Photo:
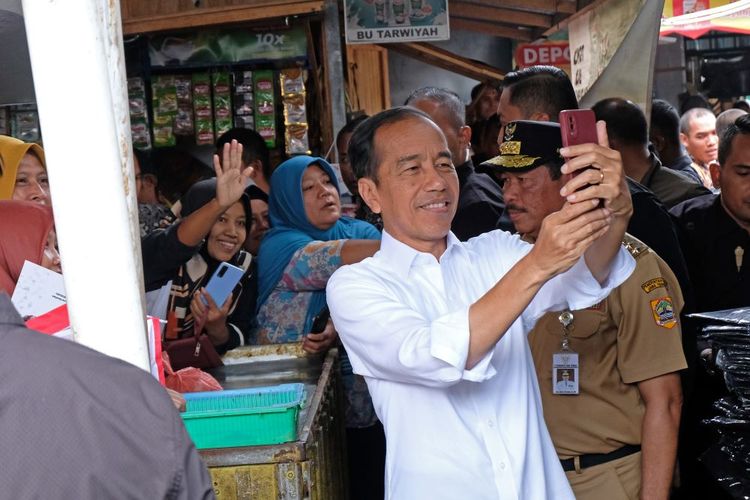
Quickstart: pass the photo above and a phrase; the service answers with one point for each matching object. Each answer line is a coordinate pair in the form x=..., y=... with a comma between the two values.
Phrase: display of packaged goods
x=222, y=103
x=164, y=94
x=164, y=106
x=294, y=109
x=296, y=139
x=202, y=108
x=183, y=123
x=140, y=133
x=292, y=81
x=244, y=104
x=244, y=121
x=139, y=126
x=24, y=124
x=265, y=106
x=137, y=97
x=243, y=82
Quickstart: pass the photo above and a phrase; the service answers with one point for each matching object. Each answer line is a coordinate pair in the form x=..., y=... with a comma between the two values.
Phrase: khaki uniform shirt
x=631, y=336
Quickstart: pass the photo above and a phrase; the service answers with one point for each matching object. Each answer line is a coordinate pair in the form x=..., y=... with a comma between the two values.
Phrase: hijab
x=196, y=272
x=24, y=227
x=12, y=152
x=291, y=230
x=255, y=193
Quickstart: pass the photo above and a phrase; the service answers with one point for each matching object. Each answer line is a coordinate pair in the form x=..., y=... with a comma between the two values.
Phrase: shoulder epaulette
x=633, y=245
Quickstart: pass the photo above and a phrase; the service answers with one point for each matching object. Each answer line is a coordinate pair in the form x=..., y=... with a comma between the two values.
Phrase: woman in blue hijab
x=307, y=242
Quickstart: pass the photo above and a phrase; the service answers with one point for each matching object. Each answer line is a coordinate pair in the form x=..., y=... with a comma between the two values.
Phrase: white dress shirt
x=451, y=432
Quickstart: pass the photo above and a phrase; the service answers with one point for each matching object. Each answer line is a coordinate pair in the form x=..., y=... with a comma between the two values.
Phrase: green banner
x=227, y=46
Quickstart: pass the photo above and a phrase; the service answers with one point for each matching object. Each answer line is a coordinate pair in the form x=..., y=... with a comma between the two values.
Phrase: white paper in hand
x=38, y=290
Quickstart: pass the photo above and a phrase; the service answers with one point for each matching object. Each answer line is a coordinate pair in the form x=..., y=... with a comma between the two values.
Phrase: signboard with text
x=552, y=54
x=390, y=21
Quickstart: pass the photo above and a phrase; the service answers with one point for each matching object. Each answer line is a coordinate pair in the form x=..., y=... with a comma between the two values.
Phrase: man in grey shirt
x=78, y=424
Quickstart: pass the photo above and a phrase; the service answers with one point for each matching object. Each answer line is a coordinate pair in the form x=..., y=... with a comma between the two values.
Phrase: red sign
x=553, y=54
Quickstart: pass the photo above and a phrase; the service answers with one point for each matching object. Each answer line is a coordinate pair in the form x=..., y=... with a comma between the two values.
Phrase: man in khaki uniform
x=616, y=430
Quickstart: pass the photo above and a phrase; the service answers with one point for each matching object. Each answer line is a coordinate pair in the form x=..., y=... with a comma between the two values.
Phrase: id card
x=565, y=373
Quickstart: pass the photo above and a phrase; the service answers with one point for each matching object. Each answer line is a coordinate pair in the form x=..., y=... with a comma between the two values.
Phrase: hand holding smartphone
x=223, y=281
x=320, y=321
x=578, y=126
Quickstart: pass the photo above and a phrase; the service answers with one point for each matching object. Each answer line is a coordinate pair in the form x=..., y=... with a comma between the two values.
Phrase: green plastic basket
x=243, y=417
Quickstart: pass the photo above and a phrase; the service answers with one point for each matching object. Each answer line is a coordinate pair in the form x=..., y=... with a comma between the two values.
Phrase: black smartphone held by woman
x=320, y=321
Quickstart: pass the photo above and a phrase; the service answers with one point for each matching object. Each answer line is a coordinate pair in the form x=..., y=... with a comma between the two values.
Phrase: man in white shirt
x=438, y=327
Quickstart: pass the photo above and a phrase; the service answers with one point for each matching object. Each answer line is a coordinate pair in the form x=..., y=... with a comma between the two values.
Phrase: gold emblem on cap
x=510, y=148
x=519, y=161
x=510, y=129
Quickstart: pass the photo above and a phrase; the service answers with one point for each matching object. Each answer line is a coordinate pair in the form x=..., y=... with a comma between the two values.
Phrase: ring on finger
x=601, y=176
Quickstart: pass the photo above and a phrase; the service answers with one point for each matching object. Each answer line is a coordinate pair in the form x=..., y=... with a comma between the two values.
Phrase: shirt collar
x=400, y=256
x=723, y=222
x=649, y=175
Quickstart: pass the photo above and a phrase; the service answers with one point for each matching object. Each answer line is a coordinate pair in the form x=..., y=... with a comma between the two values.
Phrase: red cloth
x=24, y=227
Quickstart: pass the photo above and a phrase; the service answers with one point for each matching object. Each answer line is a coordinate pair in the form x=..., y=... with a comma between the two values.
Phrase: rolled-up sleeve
x=388, y=340
x=577, y=288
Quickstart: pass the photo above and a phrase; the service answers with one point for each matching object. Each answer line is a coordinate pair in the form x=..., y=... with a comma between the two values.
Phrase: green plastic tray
x=243, y=417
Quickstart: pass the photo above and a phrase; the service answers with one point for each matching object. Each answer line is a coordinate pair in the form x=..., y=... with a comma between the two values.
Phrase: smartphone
x=578, y=126
x=223, y=281
x=320, y=321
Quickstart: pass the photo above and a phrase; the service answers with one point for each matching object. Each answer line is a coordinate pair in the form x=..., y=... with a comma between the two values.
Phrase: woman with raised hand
x=212, y=230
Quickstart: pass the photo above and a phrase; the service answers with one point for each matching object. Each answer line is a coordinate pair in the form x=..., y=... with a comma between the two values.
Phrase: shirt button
x=502, y=465
x=490, y=423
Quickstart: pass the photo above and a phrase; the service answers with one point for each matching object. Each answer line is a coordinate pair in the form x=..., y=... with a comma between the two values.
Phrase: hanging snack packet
x=183, y=124
x=265, y=106
x=222, y=103
x=296, y=139
x=204, y=122
x=292, y=81
x=164, y=105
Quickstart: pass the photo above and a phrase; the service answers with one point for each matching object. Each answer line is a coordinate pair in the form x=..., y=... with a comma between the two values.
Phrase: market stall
x=311, y=467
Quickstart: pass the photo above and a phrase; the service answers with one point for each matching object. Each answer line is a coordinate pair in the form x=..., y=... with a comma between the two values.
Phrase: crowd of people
x=511, y=314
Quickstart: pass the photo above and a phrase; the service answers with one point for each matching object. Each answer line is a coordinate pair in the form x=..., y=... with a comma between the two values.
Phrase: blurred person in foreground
x=438, y=327
x=79, y=424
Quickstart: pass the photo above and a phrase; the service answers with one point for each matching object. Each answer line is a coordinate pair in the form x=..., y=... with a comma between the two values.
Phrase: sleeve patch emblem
x=653, y=284
x=663, y=311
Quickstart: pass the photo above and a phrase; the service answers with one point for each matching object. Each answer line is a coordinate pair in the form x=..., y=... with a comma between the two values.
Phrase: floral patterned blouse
x=282, y=316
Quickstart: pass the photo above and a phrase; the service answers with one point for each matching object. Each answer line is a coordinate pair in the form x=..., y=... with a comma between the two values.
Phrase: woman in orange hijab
x=23, y=174
x=26, y=233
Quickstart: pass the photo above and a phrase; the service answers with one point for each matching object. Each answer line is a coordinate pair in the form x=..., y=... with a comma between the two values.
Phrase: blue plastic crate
x=243, y=417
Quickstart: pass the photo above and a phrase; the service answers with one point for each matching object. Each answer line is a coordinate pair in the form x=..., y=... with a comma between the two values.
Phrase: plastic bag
x=188, y=379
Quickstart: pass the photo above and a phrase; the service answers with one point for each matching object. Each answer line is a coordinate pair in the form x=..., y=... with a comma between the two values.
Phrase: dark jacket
x=480, y=204
x=710, y=238
x=671, y=186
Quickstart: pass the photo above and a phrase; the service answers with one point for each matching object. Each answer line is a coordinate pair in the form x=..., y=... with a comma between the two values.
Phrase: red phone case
x=578, y=126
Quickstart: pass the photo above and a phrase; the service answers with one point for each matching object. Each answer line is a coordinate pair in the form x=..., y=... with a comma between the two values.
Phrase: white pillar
x=79, y=76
